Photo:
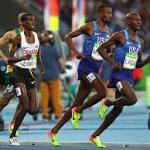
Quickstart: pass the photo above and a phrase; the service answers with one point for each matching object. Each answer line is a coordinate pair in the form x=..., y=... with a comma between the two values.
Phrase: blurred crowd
x=120, y=8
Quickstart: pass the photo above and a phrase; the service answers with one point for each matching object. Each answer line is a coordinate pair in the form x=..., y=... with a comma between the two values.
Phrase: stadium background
x=10, y=9
x=133, y=120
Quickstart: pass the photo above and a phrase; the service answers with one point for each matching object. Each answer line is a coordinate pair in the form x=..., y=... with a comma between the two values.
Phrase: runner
x=96, y=33
x=9, y=93
x=128, y=56
x=26, y=42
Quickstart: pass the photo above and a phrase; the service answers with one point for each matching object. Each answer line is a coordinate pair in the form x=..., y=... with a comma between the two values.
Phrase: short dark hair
x=24, y=16
x=103, y=5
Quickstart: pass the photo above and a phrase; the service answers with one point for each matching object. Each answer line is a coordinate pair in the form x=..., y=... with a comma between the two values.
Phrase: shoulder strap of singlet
x=23, y=39
x=36, y=37
x=94, y=26
x=138, y=39
x=126, y=34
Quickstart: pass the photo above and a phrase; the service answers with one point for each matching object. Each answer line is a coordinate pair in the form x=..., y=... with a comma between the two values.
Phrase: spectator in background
x=137, y=75
x=51, y=84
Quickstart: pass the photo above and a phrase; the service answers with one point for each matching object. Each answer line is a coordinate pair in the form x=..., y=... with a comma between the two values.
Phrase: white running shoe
x=13, y=141
x=8, y=90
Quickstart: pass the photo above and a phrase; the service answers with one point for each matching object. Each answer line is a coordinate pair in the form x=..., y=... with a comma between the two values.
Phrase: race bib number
x=119, y=86
x=26, y=64
x=29, y=63
x=95, y=55
x=91, y=77
x=130, y=61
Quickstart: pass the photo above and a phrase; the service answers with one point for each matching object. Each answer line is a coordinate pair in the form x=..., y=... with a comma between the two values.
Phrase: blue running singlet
x=92, y=62
x=126, y=55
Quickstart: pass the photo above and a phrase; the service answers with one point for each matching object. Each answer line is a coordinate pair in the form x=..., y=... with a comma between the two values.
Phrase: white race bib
x=130, y=60
x=91, y=77
x=95, y=55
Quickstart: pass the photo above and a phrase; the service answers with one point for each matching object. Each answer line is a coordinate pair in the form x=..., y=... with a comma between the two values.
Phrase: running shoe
x=10, y=128
x=8, y=90
x=53, y=138
x=102, y=109
x=13, y=141
x=75, y=118
x=96, y=141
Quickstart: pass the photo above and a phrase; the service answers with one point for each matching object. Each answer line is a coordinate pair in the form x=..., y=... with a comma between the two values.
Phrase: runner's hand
x=27, y=57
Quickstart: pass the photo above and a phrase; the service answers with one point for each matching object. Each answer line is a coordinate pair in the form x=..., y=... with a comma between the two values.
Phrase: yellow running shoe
x=10, y=128
x=102, y=109
x=75, y=118
x=53, y=138
x=96, y=141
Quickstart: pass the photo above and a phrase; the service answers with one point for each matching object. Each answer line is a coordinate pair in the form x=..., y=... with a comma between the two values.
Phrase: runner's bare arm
x=113, y=39
x=85, y=29
x=111, y=49
x=3, y=56
x=5, y=40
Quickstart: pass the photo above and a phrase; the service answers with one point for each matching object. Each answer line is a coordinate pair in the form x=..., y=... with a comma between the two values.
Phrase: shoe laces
x=14, y=141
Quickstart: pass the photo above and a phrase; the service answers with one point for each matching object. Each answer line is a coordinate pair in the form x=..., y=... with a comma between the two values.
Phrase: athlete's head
x=133, y=20
x=105, y=12
x=28, y=21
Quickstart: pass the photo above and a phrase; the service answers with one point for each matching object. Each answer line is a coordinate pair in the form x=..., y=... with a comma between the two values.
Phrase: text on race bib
x=130, y=60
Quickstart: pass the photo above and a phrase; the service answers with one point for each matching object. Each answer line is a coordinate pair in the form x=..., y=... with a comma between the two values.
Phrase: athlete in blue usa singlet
x=92, y=61
x=95, y=34
x=127, y=56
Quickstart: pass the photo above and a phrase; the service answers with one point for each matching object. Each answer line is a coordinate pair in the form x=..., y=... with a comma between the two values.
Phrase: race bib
x=130, y=61
x=29, y=63
x=95, y=55
x=91, y=77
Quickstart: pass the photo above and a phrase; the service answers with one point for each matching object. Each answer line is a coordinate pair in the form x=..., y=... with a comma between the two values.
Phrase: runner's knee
x=133, y=101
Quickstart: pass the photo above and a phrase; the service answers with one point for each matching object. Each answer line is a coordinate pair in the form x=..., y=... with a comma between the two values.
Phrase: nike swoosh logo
x=97, y=33
x=128, y=42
